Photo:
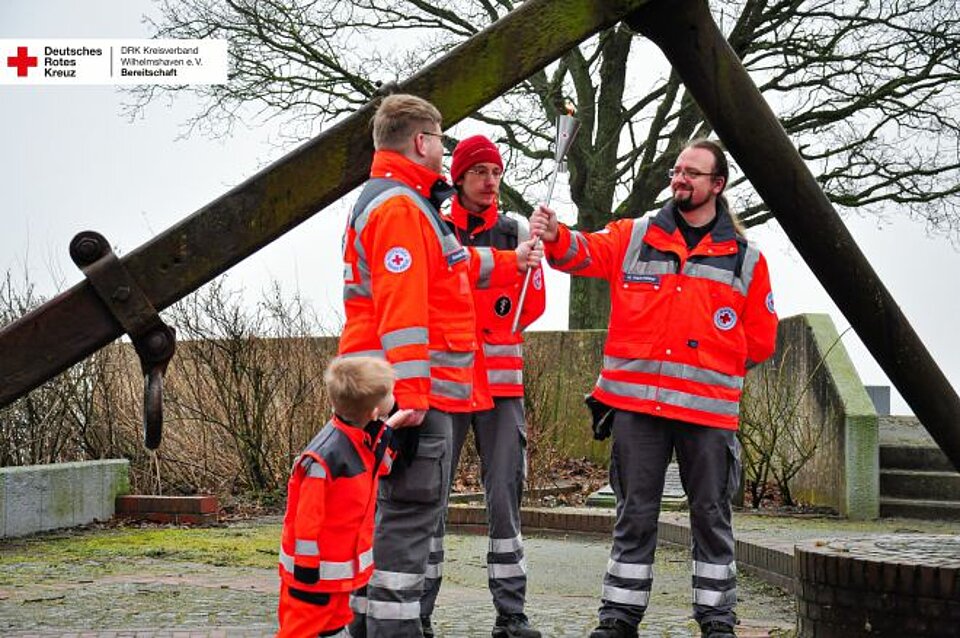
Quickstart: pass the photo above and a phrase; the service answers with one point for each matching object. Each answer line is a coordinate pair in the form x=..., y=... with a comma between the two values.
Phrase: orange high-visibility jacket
x=502, y=349
x=683, y=324
x=327, y=541
x=407, y=287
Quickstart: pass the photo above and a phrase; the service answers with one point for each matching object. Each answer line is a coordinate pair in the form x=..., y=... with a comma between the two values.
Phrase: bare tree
x=248, y=378
x=867, y=89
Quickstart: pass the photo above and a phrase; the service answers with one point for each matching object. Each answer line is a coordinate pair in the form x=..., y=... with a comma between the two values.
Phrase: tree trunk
x=589, y=303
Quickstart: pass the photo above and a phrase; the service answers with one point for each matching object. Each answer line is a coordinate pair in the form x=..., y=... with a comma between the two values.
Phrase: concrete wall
x=833, y=408
x=41, y=497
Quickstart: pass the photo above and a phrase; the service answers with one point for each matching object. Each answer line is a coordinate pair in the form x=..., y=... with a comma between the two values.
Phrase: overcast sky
x=71, y=162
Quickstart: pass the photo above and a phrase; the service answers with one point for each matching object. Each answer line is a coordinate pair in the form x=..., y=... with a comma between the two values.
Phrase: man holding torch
x=497, y=419
x=691, y=310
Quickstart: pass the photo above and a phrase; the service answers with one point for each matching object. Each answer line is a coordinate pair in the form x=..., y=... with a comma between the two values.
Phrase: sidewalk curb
x=773, y=563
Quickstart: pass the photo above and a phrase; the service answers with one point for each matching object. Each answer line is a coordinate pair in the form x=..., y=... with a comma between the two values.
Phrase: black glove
x=602, y=415
x=405, y=443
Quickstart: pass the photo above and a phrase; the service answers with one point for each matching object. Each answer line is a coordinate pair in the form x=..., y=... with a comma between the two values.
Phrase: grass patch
x=120, y=549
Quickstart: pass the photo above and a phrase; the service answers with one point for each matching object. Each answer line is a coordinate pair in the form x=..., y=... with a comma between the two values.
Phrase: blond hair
x=399, y=117
x=357, y=385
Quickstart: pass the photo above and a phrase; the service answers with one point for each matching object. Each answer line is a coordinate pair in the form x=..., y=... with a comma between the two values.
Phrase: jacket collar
x=722, y=233
x=460, y=216
x=393, y=165
x=365, y=436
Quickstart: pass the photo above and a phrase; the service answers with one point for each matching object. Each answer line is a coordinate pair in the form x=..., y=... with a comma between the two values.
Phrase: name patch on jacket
x=457, y=256
x=637, y=278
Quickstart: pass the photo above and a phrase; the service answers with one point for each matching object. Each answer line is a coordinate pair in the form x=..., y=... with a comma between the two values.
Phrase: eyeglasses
x=484, y=173
x=689, y=173
x=432, y=134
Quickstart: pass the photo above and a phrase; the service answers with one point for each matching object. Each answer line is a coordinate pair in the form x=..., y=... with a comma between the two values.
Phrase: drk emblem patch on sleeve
x=397, y=259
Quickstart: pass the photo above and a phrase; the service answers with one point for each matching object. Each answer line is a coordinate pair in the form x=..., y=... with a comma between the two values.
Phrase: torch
x=567, y=127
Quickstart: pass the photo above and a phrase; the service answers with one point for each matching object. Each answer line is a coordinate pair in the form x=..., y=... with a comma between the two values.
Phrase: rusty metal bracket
x=154, y=341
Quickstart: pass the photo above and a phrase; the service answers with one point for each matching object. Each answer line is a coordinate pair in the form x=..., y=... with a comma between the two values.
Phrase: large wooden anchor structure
x=124, y=295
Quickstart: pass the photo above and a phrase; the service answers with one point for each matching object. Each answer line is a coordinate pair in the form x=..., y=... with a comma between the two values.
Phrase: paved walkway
x=160, y=598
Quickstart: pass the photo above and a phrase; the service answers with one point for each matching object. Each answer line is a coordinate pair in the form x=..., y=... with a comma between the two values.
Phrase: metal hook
x=154, y=341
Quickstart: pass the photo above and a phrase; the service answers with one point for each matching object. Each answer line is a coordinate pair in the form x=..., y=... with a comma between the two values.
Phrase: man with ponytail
x=691, y=310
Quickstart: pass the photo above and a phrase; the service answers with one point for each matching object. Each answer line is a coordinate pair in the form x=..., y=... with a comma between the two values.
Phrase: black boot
x=513, y=626
x=717, y=629
x=426, y=626
x=614, y=628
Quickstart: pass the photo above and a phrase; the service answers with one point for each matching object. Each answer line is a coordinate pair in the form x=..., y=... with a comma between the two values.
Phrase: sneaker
x=614, y=628
x=717, y=629
x=426, y=627
x=513, y=626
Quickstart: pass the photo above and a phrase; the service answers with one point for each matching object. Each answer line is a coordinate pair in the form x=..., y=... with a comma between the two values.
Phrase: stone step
x=943, y=486
x=902, y=457
x=917, y=508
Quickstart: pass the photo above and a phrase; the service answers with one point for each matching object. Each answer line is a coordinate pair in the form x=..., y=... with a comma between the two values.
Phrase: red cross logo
x=397, y=259
x=22, y=61
x=725, y=318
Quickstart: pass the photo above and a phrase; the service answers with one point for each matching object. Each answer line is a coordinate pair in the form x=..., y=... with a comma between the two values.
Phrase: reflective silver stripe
x=625, y=596
x=711, y=598
x=307, y=548
x=329, y=570
x=387, y=462
x=632, y=253
x=673, y=369
x=513, y=377
x=506, y=570
x=703, y=271
x=506, y=545
x=696, y=402
x=449, y=359
x=436, y=544
x=486, y=266
x=493, y=350
x=577, y=244
x=750, y=260
x=414, y=369
x=395, y=581
x=434, y=570
x=415, y=336
x=365, y=559
x=286, y=561
x=384, y=610
x=651, y=268
x=337, y=570
x=397, y=191
x=625, y=389
x=670, y=397
x=358, y=603
x=523, y=228
x=352, y=291
x=451, y=389
x=379, y=354
x=714, y=571
x=628, y=570
x=315, y=470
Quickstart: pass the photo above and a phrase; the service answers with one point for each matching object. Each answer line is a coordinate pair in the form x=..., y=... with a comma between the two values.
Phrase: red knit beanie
x=473, y=150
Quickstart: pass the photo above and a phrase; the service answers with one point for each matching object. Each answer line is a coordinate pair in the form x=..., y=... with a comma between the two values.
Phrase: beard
x=685, y=201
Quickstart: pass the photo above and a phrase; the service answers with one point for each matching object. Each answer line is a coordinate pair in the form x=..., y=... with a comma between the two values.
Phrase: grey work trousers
x=501, y=438
x=410, y=505
x=709, y=461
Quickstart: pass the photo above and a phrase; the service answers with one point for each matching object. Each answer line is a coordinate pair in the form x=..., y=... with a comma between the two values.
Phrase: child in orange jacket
x=326, y=548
